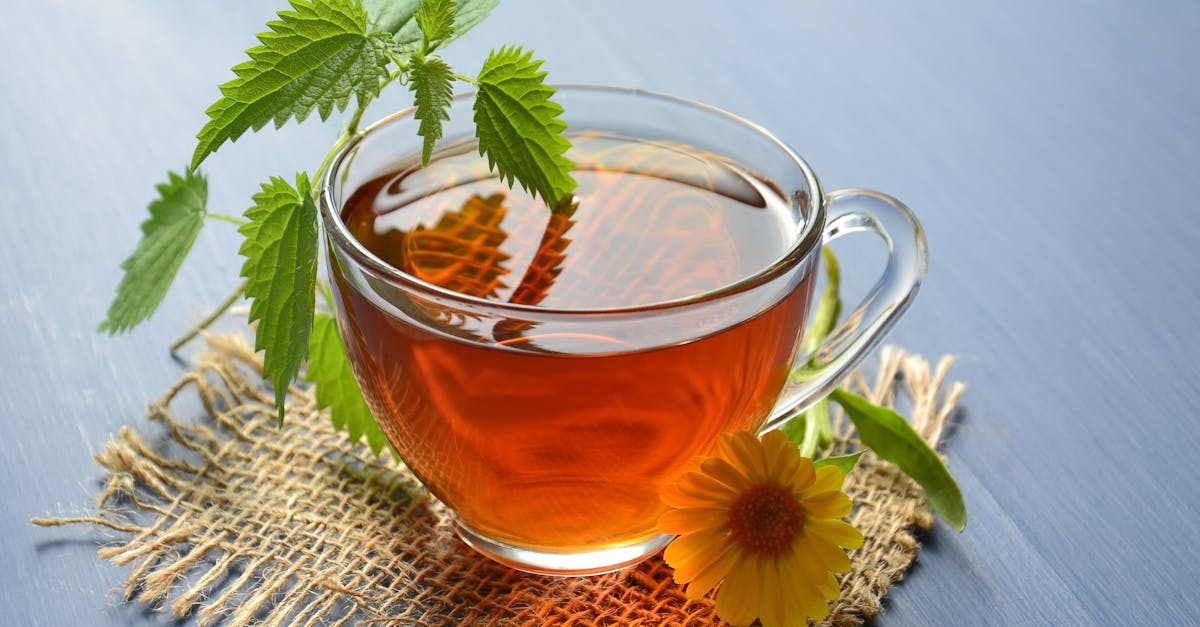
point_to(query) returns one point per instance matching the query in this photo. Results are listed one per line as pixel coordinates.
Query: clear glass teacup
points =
(545, 374)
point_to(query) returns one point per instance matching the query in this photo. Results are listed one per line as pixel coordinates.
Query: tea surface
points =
(541, 440)
(653, 222)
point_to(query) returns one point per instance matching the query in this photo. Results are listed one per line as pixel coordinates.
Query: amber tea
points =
(545, 438)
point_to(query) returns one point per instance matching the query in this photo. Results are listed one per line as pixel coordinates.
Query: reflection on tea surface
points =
(562, 440)
(651, 223)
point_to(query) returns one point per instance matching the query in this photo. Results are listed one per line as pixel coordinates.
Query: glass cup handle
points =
(852, 211)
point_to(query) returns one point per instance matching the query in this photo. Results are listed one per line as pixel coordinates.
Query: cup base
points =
(563, 564)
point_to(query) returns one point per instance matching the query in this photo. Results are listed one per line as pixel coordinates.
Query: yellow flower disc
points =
(759, 516)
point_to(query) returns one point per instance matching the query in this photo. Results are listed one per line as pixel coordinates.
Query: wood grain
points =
(1052, 151)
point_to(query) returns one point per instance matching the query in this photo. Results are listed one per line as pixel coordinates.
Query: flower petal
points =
(691, 520)
(771, 610)
(723, 447)
(831, 504)
(675, 497)
(696, 490)
(737, 600)
(699, 562)
(726, 473)
(835, 531)
(777, 445)
(829, 587)
(750, 456)
(804, 599)
(783, 457)
(811, 604)
(828, 478)
(802, 477)
(699, 547)
(711, 575)
(818, 553)
(701, 483)
(775, 438)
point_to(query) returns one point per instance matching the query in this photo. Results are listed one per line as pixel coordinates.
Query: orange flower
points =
(761, 517)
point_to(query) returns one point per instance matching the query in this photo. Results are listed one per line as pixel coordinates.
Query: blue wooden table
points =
(1052, 151)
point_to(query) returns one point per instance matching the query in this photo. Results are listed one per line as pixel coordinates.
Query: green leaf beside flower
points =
(844, 463)
(893, 439)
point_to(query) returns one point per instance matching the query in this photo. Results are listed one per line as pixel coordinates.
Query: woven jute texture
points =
(234, 521)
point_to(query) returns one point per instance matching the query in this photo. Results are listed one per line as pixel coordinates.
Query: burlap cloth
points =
(232, 520)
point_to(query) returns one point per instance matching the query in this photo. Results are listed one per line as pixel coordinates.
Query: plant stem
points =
(465, 79)
(337, 147)
(816, 425)
(226, 218)
(327, 293)
(401, 66)
(210, 318)
(352, 127)
(350, 132)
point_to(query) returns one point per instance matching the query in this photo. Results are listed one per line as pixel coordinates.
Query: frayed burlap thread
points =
(233, 521)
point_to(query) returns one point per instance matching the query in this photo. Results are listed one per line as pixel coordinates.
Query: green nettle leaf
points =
(435, 18)
(432, 81)
(314, 58)
(176, 217)
(893, 439)
(467, 14)
(518, 127)
(398, 18)
(845, 463)
(336, 387)
(392, 16)
(281, 273)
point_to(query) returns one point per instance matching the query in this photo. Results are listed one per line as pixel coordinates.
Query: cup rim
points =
(809, 238)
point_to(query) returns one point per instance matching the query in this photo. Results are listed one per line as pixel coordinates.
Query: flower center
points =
(765, 518)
